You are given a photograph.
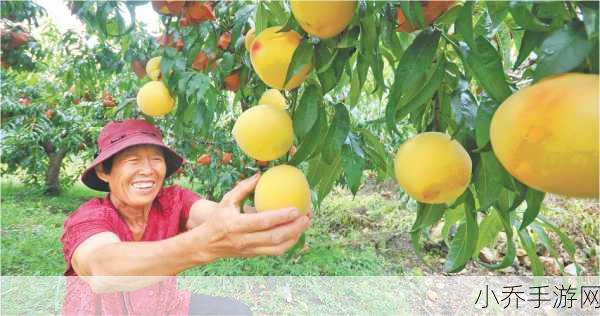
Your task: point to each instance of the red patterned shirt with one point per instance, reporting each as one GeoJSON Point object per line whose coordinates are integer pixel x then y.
{"type": "Point", "coordinates": [168, 215]}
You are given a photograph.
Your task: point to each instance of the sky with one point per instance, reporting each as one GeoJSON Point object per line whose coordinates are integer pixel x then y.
{"type": "Point", "coordinates": [64, 20]}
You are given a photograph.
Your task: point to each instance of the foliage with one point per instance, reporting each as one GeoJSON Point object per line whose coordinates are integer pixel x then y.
{"type": "Point", "coordinates": [19, 11]}
{"type": "Point", "coordinates": [56, 112]}
{"type": "Point", "coordinates": [371, 88]}
{"type": "Point", "coordinates": [19, 49]}
{"type": "Point", "coordinates": [33, 134]}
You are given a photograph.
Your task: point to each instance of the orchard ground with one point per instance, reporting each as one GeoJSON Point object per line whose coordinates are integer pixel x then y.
{"type": "Point", "coordinates": [364, 235]}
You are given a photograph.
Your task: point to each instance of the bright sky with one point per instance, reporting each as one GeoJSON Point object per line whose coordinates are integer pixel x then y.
{"type": "Point", "coordinates": [64, 20]}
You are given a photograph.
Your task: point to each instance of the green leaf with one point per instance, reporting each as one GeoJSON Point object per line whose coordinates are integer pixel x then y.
{"type": "Point", "coordinates": [464, 242]}
{"type": "Point", "coordinates": [485, 112]}
{"type": "Point", "coordinates": [591, 20]}
{"type": "Point", "coordinates": [511, 250]}
{"type": "Point", "coordinates": [166, 64]}
{"type": "Point", "coordinates": [544, 239]}
{"type": "Point", "coordinates": [488, 180]}
{"type": "Point", "coordinates": [355, 88]}
{"type": "Point", "coordinates": [392, 42]}
{"type": "Point", "coordinates": [261, 18]}
{"type": "Point", "coordinates": [289, 24]}
{"type": "Point", "coordinates": [243, 15]}
{"type": "Point", "coordinates": [369, 52]}
{"type": "Point", "coordinates": [324, 57]}
{"type": "Point", "coordinates": [562, 51]}
{"type": "Point", "coordinates": [409, 73]}
{"type": "Point", "coordinates": [486, 66]}
{"type": "Point", "coordinates": [464, 24]}
{"type": "Point", "coordinates": [523, 16]}
{"type": "Point", "coordinates": [534, 200]}
{"type": "Point", "coordinates": [490, 21]}
{"type": "Point", "coordinates": [202, 116]}
{"type": "Point", "coordinates": [428, 91]}
{"type": "Point", "coordinates": [377, 71]}
{"type": "Point", "coordinates": [226, 64]}
{"type": "Point", "coordinates": [413, 12]}
{"type": "Point", "coordinates": [338, 131]}
{"type": "Point", "coordinates": [368, 34]}
{"type": "Point", "coordinates": [511, 197]}
{"type": "Point", "coordinates": [595, 57]}
{"type": "Point", "coordinates": [277, 11]}
{"type": "Point", "coordinates": [303, 55]}
{"type": "Point", "coordinates": [427, 215]}
{"type": "Point", "coordinates": [328, 79]}
{"type": "Point", "coordinates": [489, 228]}
{"type": "Point", "coordinates": [183, 81]}
{"type": "Point", "coordinates": [497, 9]}
{"type": "Point", "coordinates": [307, 111]}
{"type": "Point", "coordinates": [315, 169]}
{"type": "Point", "coordinates": [313, 139]}
{"type": "Point", "coordinates": [449, 17]}
{"type": "Point", "coordinates": [348, 38]}
{"type": "Point", "coordinates": [194, 114]}
{"type": "Point", "coordinates": [329, 176]}
{"type": "Point", "coordinates": [354, 143]}
{"type": "Point", "coordinates": [531, 40]}
{"type": "Point", "coordinates": [353, 166]}
{"type": "Point", "coordinates": [101, 18]}
{"type": "Point", "coordinates": [567, 242]}
{"type": "Point", "coordinates": [374, 150]}
{"type": "Point", "coordinates": [464, 107]}
{"type": "Point", "coordinates": [451, 216]}
{"type": "Point", "coordinates": [331, 77]}
{"type": "Point", "coordinates": [197, 86]}
{"type": "Point", "coordinates": [536, 265]}
{"type": "Point", "coordinates": [362, 68]}
{"type": "Point", "coordinates": [296, 247]}
{"type": "Point", "coordinates": [182, 111]}
{"type": "Point", "coordinates": [553, 12]}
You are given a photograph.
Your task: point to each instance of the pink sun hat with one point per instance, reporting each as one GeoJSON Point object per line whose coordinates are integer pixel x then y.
{"type": "Point", "coordinates": [119, 135]}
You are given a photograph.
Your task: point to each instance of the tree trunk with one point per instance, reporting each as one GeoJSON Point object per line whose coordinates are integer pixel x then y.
{"type": "Point", "coordinates": [55, 159]}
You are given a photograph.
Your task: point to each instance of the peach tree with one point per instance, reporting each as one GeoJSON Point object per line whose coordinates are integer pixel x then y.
{"type": "Point", "coordinates": [362, 78]}
{"type": "Point", "coordinates": [51, 114]}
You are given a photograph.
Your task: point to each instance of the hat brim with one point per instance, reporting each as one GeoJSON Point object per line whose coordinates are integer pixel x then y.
{"type": "Point", "coordinates": [90, 178]}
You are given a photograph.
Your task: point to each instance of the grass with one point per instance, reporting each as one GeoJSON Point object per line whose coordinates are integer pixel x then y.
{"type": "Point", "coordinates": [32, 225]}
{"type": "Point", "coordinates": [31, 228]}
{"type": "Point", "coordinates": [366, 235]}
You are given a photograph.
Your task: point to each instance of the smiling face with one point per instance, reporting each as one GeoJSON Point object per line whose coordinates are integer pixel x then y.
{"type": "Point", "coordinates": [136, 176]}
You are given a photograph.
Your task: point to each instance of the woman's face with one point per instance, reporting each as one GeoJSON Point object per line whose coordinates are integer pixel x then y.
{"type": "Point", "coordinates": [136, 176]}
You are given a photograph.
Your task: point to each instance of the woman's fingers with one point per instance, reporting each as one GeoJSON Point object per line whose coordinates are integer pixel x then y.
{"type": "Point", "coordinates": [253, 222]}
{"type": "Point", "coordinates": [277, 235]}
{"type": "Point", "coordinates": [310, 213]}
{"type": "Point", "coordinates": [241, 191]}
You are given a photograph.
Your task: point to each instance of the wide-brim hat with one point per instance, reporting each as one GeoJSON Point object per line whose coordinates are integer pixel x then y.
{"type": "Point", "coordinates": [119, 135]}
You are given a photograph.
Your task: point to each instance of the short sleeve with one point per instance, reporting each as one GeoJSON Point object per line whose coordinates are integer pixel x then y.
{"type": "Point", "coordinates": [188, 198]}
{"type": "Point", "coordinates": [90, 219]}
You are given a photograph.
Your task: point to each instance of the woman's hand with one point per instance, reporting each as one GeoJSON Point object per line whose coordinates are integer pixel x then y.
{"type": "Point", "coordinates": [230, 233]}
{"type": "Point", "coordinates": [248, 209]}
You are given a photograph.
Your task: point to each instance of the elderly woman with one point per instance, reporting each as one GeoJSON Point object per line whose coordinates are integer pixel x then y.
{"type": "Point", "coordinates": [144, 229]}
